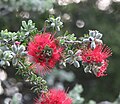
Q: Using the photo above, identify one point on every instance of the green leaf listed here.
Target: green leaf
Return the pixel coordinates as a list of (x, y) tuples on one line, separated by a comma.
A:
[(30, 22), (24, 24), (75, 94), (1, 52), (62, 41)]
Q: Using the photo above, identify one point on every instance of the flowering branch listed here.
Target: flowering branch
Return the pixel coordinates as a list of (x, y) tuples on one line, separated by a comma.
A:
[(73, 42), (36, 53)]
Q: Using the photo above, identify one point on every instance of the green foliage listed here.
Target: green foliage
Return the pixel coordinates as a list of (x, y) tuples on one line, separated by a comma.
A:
[(72, 58), (75, 94), (28, 28), (7, 36), (16, 99), (12, 51), (55, 23), (27, 5), (67, 37), (19, 52), (39, 84), (117, 101)]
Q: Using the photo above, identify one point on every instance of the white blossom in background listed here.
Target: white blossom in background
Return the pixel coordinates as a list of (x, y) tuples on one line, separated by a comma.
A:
[(61, 75), (80, 23), (11, 91), (116, 0), (3, 75), (66, 16), (1, 89), (24, 14), (59, 85), (66, 2), (52, 11), (103, 4), (25, 5), (17, 98), (76, 1), (7, 101)]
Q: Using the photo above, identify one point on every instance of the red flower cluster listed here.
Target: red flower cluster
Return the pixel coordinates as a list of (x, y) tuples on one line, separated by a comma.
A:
[(54, 96), (98, 55), (102, 69), (44, 51)]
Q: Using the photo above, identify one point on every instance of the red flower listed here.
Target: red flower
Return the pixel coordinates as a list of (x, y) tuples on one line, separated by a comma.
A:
[(44, 51), (97, 56), (54, 96)]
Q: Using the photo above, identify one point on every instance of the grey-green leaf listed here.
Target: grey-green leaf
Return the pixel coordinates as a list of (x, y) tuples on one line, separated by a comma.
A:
[(23, 54), (7, 63), (2, 63), (21, 48), (14, 48), (24, 24), (87, 69), (99, 36), (69, 60), (30, 22), (93, 45), (14, 61), (70, 52), (76, 64), (1, 52)]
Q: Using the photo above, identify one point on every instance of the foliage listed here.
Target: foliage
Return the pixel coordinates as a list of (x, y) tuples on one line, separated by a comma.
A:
[(75, 94), (117, 101), (14, 53)]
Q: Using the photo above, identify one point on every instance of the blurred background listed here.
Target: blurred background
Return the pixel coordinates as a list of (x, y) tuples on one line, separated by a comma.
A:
[(78, 16)]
